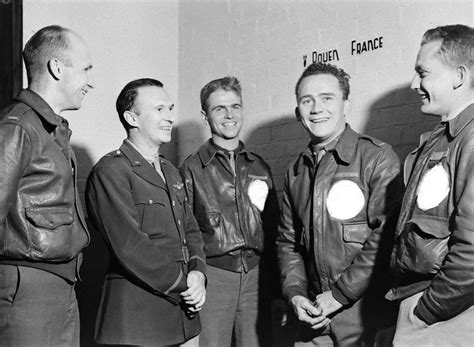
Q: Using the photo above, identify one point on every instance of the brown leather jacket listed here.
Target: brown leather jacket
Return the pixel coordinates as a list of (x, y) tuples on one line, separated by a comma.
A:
[(41, 219), (333, 241), (434, 244)]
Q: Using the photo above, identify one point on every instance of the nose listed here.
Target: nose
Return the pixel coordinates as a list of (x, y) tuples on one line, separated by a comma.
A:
[(170, 116), (315, 107), (415, 83), (229, 113), (90, 81)]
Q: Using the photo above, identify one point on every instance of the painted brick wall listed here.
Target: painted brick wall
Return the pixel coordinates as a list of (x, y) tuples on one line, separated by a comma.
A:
[(263, 44)]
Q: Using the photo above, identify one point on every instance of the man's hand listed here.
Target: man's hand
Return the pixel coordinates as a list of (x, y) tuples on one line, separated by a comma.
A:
[(195, 296), (306, 312), (326, 302)]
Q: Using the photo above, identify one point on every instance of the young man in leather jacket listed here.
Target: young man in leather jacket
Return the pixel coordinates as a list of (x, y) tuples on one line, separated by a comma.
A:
[(433, 257), (338, 209), (42, 227), (231, 192)]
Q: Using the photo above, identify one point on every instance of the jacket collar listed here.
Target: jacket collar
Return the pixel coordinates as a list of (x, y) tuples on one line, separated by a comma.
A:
[(344, 148), (208, 151), (40, 106), (458, 123), (141, 166)]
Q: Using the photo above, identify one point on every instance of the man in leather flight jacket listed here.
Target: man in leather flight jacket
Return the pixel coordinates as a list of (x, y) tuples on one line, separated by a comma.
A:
[(42, 228), (339, 203), (231, 192), (433, 257)]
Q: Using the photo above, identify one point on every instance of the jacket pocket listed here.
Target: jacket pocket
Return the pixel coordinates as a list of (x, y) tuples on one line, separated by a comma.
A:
[(425, 244), (152, 214), (219, 237), (354, 236), (50, 232), (355, 232)]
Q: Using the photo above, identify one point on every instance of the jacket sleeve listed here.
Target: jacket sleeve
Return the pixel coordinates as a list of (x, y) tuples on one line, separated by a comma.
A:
[(452, 289), (293, 273), (372, 261), (197, 258), (15, 151), (110, 206)]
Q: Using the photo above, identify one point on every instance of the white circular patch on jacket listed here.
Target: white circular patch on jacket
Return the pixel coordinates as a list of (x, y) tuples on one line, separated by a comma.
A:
[(258, 192), (433, 188), (345, 200)]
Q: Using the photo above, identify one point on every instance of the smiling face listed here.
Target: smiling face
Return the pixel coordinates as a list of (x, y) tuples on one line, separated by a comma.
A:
[(77, 74), (321, 107), (224, 115), (434, 80), (153, 116)]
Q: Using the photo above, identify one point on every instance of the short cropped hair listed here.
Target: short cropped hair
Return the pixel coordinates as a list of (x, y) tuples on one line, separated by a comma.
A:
[(228, 83), (321, 68), (128, 95), (47, 43), (457, 44)]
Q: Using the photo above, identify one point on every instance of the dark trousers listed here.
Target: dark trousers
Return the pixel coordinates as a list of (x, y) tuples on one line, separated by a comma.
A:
[(231, 308), (37, 308), (356, 325)]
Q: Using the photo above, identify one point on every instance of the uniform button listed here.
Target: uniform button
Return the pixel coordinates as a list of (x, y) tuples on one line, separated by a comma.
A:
[(173, 203), (150, 201), (117, 152), (179, 222)]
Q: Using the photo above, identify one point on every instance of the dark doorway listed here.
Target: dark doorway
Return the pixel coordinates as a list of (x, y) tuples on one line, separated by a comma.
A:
[(11, 43)]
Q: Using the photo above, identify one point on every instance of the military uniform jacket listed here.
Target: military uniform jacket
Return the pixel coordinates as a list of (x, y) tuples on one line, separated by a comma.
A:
[(154, 241)]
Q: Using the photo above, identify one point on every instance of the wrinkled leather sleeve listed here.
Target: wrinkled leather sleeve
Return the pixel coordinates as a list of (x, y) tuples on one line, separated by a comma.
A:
[(385, 194), (110, 206), (452, 289), (15, 149), (292, 268)]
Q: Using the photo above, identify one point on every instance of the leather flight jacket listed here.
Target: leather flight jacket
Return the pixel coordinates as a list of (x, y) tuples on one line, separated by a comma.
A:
[(231, 225), (433, 249), (41, 219), (338, 218)]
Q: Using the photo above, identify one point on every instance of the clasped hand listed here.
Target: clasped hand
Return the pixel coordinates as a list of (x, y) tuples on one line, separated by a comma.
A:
[(195, 296), (315, 314)]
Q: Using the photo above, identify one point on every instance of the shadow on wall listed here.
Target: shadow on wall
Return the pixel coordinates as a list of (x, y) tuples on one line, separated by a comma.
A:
[(395, 118), (190, 136), (95, 261)]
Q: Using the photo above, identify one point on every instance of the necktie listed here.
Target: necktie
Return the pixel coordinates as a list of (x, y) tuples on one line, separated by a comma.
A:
[(232, 160), (157, 166)]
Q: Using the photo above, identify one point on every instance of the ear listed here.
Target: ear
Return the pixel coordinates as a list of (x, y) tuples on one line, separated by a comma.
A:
[(55, 68), (462, 76), (347, 107), (204, 117), (131, 118), (297, 114)]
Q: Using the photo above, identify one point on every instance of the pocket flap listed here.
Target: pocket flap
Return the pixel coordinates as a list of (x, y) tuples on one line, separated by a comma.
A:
[(149, 200), (213, 219), (432, 225), (355, 232), (49, 217)]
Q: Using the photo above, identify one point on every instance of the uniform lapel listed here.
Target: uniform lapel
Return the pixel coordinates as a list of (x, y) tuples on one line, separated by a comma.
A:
[(141, 167)]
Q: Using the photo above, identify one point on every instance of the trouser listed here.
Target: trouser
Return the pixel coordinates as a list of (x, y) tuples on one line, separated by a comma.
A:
[(356, 325), (37, 308), (412, 331), (231, 308)]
